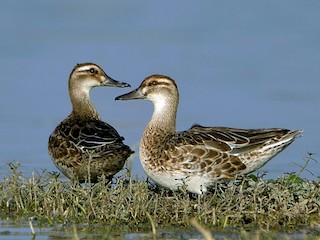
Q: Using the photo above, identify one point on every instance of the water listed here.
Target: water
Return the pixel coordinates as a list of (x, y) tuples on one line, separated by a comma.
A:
[(20, 229), (245, 65)]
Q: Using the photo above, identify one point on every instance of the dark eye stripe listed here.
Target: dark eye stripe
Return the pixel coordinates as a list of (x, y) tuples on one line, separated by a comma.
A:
[(165, 84), (155, 83)]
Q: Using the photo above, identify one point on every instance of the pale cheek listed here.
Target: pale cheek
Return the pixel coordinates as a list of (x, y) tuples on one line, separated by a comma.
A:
[(87, 85), (85, 88), (160, 102)]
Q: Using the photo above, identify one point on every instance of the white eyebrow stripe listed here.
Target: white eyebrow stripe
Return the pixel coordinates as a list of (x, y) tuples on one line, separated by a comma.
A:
[(84, 68)]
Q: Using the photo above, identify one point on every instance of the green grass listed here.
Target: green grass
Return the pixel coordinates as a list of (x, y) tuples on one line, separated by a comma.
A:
[(250, 201)]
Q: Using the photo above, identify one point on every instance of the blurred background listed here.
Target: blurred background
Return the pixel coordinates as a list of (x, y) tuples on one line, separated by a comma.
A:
[(238, 64)]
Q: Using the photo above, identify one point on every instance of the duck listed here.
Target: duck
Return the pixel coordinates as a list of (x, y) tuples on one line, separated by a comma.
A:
[(82, 146), (197, 158)]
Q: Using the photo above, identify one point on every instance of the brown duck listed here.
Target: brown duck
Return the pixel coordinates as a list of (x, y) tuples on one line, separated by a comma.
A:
[(82, 146), (198, 157)]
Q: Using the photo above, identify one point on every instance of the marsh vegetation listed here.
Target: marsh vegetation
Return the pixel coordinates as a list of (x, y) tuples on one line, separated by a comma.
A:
[(247, 202)]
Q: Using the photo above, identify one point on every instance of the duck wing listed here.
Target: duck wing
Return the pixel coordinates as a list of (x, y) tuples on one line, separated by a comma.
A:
[(200, 153), (245, 140), (217, 150), (77, 136)]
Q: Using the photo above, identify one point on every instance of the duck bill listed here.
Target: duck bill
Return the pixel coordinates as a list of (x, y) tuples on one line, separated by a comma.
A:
[(108, 81), (135, 94)]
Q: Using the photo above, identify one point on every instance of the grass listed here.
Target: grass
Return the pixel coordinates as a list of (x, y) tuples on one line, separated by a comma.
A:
[(250, 201)]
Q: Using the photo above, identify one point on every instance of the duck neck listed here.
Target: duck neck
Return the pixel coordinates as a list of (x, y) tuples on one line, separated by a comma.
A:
[(164, 117), (82, 106)]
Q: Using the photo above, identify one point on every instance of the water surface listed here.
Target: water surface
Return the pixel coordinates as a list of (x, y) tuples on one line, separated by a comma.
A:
[(20, 229)]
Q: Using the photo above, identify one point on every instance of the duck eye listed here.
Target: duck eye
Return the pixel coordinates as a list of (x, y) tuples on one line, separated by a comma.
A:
[(153, 83), (92, 70)]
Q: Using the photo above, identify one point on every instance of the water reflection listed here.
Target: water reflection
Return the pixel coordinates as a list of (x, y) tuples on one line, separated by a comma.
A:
[(11, 228)]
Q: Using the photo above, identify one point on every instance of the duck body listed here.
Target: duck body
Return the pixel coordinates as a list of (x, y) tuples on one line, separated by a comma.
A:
[(87, 147), (82, 146), (198, 157)]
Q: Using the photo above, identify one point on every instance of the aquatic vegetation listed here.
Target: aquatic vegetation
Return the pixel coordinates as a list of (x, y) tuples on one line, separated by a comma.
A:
[(250, 201)]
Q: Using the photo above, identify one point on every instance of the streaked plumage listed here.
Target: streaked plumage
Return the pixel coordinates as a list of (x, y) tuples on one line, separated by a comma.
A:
[(82, 145), (198, 157)]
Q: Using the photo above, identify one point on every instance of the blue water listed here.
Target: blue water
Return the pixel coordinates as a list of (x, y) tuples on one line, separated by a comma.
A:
[(20, 229), (241, 64)]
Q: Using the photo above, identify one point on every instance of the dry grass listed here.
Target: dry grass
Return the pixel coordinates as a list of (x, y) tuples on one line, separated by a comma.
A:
[(250, 201)]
